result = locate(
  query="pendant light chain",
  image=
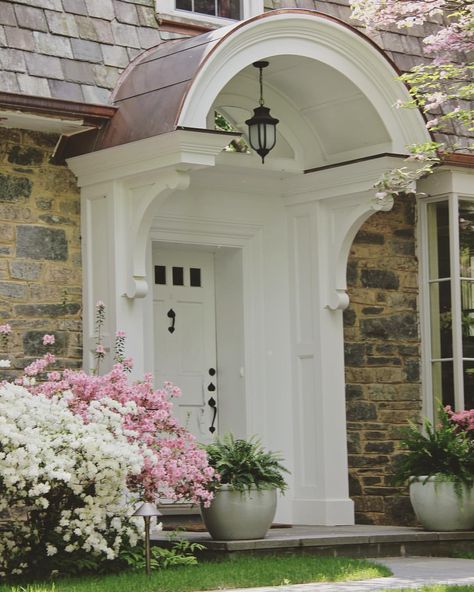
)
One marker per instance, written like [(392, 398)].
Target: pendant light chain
[(261, 102)]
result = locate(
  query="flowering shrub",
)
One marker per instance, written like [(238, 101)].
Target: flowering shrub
[(76, 450), (68, 475)]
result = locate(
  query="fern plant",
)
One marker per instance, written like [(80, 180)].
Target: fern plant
[(243, 464), (444, 450)]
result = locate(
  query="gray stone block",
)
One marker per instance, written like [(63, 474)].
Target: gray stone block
[(12, 290), (33, 343), (25, 155), (125, 35), (53, 45), (70, 91), (126, 13), (106, 76), (19, 38), (47, 310), (75, 71), (61, 23), (89, 51), (103, 31), (31, 85), (8, 82), (31, 18), (3, 37), (146, 16), (25, 270), (49, 4), (7, 14), (114, 55), (38, 242), (12, 59), (379, 278), (75, 6), (101, 9), (95, 94), (42, 65), (14, 188), (148, 37)]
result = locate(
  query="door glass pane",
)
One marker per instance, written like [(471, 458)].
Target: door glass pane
[(468, 385), (195, 277), (466, 238), (178, 276), (438, 240), (443, 383), (205, 6), (160, 274), (441, 320)]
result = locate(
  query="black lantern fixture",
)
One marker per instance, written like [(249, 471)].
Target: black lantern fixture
[(262, 126)]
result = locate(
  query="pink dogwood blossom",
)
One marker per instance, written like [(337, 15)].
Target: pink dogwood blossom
[(49, 339)]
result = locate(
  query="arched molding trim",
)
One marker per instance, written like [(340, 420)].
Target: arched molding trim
[(312, 35)]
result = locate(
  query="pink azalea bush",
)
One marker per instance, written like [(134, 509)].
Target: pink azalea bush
[(112, 443), (463, 419)]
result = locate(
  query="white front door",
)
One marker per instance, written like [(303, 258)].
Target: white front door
[(185, 334)]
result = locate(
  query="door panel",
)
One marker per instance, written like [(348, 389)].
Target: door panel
[(184, 302)]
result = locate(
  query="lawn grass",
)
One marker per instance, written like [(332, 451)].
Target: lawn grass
[(239, 572)]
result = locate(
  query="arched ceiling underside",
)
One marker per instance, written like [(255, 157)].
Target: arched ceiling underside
[(331, 88)]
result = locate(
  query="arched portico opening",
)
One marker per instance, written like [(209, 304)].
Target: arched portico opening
[(284, 228)]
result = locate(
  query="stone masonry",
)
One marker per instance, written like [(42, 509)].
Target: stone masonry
[(40, 251), (382, 359)]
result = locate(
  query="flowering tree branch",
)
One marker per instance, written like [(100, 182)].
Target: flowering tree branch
[(443, 87)]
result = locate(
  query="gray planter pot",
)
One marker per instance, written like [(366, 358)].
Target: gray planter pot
[(438, 506), (235, 515)]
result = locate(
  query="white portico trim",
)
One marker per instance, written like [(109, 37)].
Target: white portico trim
[(280, 238)]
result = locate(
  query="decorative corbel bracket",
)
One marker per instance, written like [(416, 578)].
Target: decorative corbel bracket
[(342, 219), (142, 204)]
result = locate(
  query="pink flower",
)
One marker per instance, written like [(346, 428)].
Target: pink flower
[(48, 339), (100, 349), (5, 329), (99, 304), (120, 334)]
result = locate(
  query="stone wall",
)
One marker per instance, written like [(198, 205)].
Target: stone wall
[(382, 354), (40, 258)]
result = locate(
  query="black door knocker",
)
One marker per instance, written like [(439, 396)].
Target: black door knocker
[(171, 315)]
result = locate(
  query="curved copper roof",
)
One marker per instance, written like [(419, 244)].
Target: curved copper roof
[(152, 90)]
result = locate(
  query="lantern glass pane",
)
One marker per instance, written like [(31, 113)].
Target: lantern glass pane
[(271, 136)]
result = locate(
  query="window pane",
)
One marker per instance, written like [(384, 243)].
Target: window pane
[(178, 276), (229, 9), (184, 4), (466, 238), (205, 6), (468, 385), (438, 240), (467, 318), (443, 384), (195, 277), (441, 320), (160, 274)]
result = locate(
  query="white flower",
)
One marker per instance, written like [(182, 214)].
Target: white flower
[(5, 363)]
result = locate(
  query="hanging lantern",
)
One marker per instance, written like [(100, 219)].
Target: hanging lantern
[(262, 126)]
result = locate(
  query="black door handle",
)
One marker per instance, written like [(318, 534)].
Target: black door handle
[(213, 405), (171, 315)]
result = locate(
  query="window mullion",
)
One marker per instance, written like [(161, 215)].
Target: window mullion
[(456, 302)]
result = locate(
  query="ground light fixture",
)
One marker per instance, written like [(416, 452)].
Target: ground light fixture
[(147, 510), (262, 126)]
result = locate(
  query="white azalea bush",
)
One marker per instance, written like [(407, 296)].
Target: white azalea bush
[(66, 479)]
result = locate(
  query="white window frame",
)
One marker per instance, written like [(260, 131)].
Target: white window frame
[(168, 8), (452, 199)]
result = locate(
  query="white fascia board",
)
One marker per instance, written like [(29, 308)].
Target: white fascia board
[(182, 149), (449, 179), (41, 123), (345, 179)]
